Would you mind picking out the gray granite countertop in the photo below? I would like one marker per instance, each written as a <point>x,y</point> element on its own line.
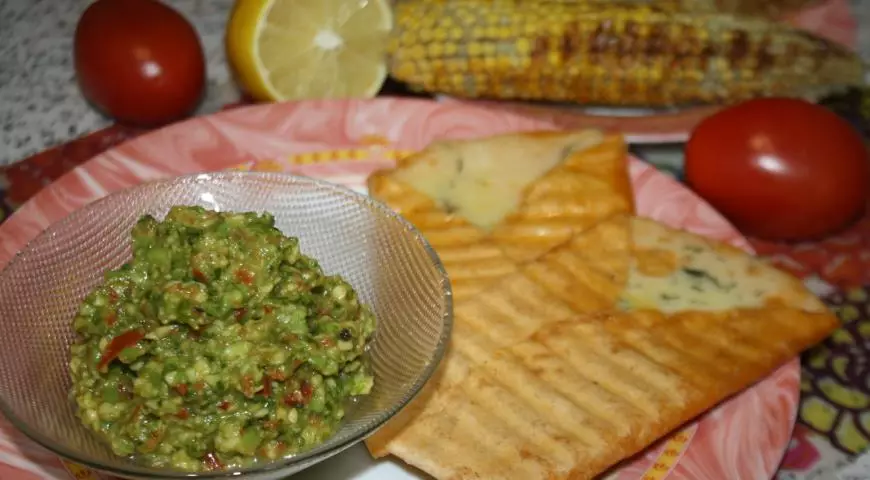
<point>40,105</point>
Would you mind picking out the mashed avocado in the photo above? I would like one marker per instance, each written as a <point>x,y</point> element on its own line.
<point>218,345</point>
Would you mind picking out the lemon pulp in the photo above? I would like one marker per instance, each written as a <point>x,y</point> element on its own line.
<point>309,49</point>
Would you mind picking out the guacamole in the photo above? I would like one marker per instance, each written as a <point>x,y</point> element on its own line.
<point>219,345</point>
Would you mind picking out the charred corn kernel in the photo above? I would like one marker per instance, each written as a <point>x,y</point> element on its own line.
<point>662,53</point>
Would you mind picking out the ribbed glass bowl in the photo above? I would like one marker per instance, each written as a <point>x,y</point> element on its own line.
<point>382,256</point>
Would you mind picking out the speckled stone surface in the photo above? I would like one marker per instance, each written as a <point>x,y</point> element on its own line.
<point>40,105</point>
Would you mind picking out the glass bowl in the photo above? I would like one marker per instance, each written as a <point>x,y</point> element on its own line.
<point>383,257</point>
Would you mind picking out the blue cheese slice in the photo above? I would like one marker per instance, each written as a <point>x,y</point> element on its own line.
<point>483,180</point>
<point>674,271</point>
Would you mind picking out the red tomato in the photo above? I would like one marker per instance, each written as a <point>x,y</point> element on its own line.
<point>139,61</point>
<point>780,169</point>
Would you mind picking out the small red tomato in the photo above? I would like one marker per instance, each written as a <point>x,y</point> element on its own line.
<point>780,169</point>
<point>138,61</point>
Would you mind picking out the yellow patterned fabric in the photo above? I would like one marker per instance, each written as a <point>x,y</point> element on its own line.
<point>836,376</point>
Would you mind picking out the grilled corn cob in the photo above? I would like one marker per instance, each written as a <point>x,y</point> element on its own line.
<point>766,8</point>
<point>608,53</point>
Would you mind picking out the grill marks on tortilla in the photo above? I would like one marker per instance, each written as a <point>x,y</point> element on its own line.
<point>512,310</point>
<point>526,356</point>
<point>623,380</point>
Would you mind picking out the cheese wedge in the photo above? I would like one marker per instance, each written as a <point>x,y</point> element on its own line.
<point>673,270</point>
<point>483,180</point>
<point>585,275</point>
<point>486,205</point>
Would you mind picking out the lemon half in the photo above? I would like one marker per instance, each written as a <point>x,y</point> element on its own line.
<point>309,49</point>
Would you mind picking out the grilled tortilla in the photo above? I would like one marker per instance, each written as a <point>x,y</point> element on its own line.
<point>581,395</point>
<point>627,362</point>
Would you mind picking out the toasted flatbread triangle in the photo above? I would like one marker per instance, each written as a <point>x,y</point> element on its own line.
<point>486,205</point>
<point>581,395</point>
<point>673,270</point>
<point>587,274</point>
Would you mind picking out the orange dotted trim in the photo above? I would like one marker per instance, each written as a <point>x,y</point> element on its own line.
<point>667,460</point>
<point>328,156</point>
<point>344,155</point>
<point>79,472</point>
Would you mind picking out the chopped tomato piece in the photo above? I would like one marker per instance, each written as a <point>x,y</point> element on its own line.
<point>181,388</point>
<point>154,440</point>
<point>247,386</point>
<point>298,398</point>
<point>281,448</point>
<point>194,333</point>
<point>199,276</point>
<point>239,313</point>
<point>294,399</point>
<point>270,424</point>
<point>307,390</point>
<point>244,276</point>
<point>119,343</point>
<point>183,414</point>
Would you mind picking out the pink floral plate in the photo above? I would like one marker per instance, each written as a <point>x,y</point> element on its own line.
<point>343,142</point>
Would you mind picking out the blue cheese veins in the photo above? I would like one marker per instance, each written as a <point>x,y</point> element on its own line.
<point>675,271</point>
<point>483,180</point>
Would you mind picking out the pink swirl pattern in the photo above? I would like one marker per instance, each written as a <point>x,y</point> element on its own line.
<point>744,437</point>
